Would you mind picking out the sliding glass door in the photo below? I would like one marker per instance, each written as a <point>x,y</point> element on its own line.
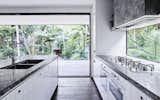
<point>75,46</point>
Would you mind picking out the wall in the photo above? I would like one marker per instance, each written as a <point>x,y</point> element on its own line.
<point>44,3</point>
<point>49,6</point>
<point>107,41</point>
<point>43,19</point>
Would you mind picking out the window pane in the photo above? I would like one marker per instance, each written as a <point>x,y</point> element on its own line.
<point>144,43</point>
<point>72,40</point>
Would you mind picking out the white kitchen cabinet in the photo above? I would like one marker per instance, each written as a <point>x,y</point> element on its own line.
<point>10,96</point>
<point>137,94</point>
<point>130,92</point>
<point>20,92</point>
<point>97,76</point>
<point>148,98</point>
<point>47,82</point>
<point>16,94</point>
<point>122,83</point>
<point>39,86</point>
<point>96,68</point>
<point>3,98</point>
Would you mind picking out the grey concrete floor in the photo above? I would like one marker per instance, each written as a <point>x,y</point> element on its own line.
<point>76,89</point>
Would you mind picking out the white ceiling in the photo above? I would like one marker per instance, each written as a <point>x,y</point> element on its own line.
<point>44,3</point>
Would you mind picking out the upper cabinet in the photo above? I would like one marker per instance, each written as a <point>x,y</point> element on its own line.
<point>129,13</point>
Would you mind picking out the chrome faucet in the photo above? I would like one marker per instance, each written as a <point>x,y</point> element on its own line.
<point>151,66</point>
<point>12,58</point>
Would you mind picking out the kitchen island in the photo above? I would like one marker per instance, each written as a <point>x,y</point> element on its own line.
<point>33,78</point>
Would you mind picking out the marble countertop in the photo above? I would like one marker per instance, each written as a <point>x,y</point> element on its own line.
<point>9,78</point>
<point>147,82</point>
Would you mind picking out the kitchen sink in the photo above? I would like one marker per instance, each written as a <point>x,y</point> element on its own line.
<point>19,66</point>
<point>26,64</point>
<point>31,61</point>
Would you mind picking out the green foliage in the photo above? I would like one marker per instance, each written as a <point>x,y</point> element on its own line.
<point>6,34</point>
<point>76,42</point>
<point>73,40</point>
<point>145,43</point>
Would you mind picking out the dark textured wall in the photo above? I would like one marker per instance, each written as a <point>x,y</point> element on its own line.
<point>119,12</point>
<point>126,10</point>
<point>152,7</point>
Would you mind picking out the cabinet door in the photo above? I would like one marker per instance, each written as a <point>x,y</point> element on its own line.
<point>21,92</point>
<point>49,80</point>
<point>124,84</point>
<point>45,83</point>
<point>137,94</point>
<point>31,87</point>
<point>99,80</point>
<point>127,87</point>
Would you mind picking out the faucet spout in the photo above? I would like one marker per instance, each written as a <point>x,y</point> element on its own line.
<point>12,58</point>
<point>13,61</point>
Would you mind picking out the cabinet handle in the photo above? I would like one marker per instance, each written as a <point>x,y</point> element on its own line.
<point>19,91</point>
<point>141,98</point>
<point>115,76</point>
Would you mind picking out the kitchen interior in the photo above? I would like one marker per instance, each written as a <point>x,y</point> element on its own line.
<point>80,50</point>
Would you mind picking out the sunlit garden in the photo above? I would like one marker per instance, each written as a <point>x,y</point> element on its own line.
<point>23,40</point>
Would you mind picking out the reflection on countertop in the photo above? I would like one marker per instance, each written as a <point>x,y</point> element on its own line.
<point>146,81</point>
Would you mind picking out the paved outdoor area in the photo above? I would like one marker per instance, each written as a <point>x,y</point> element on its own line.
<point>73,67</point>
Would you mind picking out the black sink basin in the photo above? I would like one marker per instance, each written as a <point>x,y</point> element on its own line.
<point>24,64</point>
<point>30,61</point>
<point>19,66</point>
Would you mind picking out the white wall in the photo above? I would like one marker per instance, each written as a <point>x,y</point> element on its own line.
<point>44,3</point>
<point>49,6</point>
<point>43,19</point>
<point>107,41</point>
